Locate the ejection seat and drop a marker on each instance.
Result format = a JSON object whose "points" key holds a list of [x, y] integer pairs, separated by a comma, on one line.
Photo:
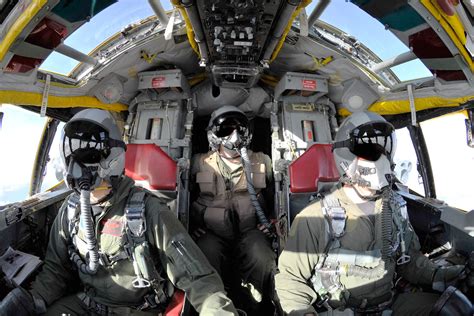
{"points": [[312, 173], [151, 168], [158, 145]]}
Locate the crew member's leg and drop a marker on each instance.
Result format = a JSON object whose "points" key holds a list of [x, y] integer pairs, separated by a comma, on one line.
{"points": [[68, 306], [215, 248], [257, 263], [414, 304]]}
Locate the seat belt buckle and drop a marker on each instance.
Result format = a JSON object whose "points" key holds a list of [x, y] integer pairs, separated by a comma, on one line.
{"points": [[403, 259], [323, 302], [140, 282]]}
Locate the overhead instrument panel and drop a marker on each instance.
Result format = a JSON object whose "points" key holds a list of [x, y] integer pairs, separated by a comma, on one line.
{"points": [[236, 38]]}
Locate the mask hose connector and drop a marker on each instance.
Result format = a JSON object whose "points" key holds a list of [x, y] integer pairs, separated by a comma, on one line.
{"points": [[251, 189]]}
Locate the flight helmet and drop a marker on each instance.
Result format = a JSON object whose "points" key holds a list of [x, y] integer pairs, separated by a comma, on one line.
{"points": [[228, 126], [363, 150], [91, 149]]}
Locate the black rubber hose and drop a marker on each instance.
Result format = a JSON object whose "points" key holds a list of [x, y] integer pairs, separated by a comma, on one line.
{"points": [[379, 270], [90, 238], [262, 218]]}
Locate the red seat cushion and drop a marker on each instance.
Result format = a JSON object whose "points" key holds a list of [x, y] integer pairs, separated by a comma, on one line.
{"points": [[147, 162], [175, 306], [315, 165]]}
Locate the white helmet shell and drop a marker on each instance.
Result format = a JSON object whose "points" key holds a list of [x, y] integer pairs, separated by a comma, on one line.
{"points": [[112, 165], [235, 140], [366, 129]]}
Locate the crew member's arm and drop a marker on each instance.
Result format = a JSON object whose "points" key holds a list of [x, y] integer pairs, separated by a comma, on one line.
{"points": [[185, 264], [57, 277], [421, 270], [196, 210], [296, 264], [269, 191]]}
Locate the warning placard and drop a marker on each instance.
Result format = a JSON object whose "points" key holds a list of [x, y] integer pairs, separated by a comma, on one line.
{"points": [[158, 82], [309, 84]]}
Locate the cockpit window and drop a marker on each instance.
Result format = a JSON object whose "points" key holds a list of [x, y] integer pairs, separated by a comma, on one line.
{"points": [[406, 162], [451, 159], [19, 138], [357, 23], [54, 167], [98, 29]]}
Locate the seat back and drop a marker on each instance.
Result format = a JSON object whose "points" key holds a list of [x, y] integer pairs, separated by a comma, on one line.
{"points": [[312, 169], [150, 167]]}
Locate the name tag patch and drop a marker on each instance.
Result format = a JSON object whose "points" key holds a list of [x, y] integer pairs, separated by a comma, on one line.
{"points": [[112, 227]]}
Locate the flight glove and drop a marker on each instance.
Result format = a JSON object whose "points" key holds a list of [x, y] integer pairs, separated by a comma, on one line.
{"points": [[446, 276]]}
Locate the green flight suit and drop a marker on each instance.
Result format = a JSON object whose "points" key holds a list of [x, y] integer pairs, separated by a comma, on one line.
{"points": [[307, 241], [187, 268], [224, 210]]}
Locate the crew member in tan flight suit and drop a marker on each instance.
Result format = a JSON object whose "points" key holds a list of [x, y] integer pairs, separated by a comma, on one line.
{"points": [[346, 249], [120, 245], [229, 212]]}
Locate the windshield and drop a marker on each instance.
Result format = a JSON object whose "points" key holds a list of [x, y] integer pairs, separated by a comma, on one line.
{"points": [[382, 42], [354, 21], [98, 29]]}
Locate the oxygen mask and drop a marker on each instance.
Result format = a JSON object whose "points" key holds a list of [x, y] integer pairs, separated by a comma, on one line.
{"points": [[373, 175]]}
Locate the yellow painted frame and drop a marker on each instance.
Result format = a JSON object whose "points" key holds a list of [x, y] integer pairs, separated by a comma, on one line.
{"points": [[18, 26], [300, 7], [189, 28], [392, 107], [33, 98], [453, 27]]}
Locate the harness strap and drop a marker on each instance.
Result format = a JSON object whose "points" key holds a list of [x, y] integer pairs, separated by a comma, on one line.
{"points": [[138, 250], [73, 214], [134, 248], [135, 214]]}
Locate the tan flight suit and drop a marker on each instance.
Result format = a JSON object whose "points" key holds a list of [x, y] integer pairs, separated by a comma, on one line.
{"points": [[306, 244], [186, 268], [223, 208]]}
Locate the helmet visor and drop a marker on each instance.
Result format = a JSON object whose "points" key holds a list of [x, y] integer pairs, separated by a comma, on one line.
{"points": [[227, 126], [369, 141], [87, 142]]}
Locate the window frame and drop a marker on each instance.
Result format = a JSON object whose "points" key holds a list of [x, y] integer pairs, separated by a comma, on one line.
{"points": [[42, 155]]}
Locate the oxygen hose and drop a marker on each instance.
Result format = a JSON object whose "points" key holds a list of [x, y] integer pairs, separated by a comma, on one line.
{"points": [[88, 227], [379, 270], [251, 189]]}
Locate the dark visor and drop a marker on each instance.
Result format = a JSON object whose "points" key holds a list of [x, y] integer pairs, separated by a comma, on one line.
{"points": [[369, 141], [89, 142], [226, 127]]}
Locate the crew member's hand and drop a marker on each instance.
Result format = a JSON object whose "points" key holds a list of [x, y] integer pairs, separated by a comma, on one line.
{"points": [[264, 230], [198, 233], [446, 276]]}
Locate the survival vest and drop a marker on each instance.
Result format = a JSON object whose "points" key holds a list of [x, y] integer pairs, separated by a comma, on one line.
{"points": [[225, 209], [339, 267], [135, 248]]}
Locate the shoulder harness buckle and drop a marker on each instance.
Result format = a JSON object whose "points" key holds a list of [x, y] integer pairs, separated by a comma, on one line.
{"points": [[336, 216]]}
